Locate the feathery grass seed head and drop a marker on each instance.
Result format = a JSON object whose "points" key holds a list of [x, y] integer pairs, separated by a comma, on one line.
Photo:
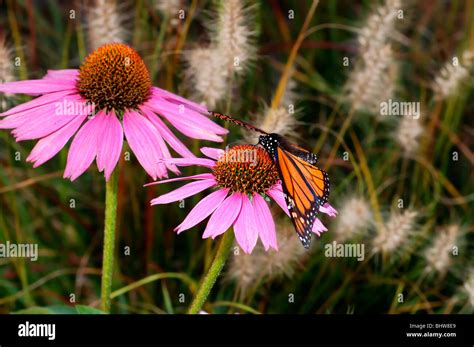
{"points": [[105, 24], [407, 135], [205, 72], [170, 8], [373, 80], [232, 35], [6, 69], [453, 74], [394, 234], [439, 255], [6, 63], [354, 218], [468, 287]]}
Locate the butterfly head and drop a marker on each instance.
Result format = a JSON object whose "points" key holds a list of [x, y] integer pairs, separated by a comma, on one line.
{"points": [[270, 143]]}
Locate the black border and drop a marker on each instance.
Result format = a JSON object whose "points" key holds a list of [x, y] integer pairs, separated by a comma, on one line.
{"points": [[241, 329]]}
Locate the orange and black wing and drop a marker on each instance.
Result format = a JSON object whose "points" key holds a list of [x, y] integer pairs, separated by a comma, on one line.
{"points": [[306, 188], [298, 151]]}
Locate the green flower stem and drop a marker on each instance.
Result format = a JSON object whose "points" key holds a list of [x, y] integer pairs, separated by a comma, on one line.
{"points": [[217, 264], [109, 240]]}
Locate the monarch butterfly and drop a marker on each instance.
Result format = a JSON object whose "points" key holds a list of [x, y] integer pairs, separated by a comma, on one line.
{"points": [[306, 187]]}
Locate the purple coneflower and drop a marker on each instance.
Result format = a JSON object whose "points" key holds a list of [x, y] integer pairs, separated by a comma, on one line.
{"points": [[109, 96], [244, 176]]}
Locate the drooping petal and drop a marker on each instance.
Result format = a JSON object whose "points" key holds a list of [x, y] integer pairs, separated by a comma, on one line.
{"points": [[84, 147], [110, 144], [276, 193], [177, 99], [318, 227], [45, 120], [183, 192], [64, 74], [245, 227], [15, 120], [203, 176], [39, 101], [328, 209], [142, 138], [189, 115], [202, 210], [224, 216], [264, 222], [168, 135], [30, 117], [37, 87], [191, 130], [213, 153], [163, 147], [185, 126], [49, 146]]}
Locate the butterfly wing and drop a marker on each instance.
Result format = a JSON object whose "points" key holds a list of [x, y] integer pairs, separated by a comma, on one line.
{"points": [[318, 179], [302, 153], [306, 188], [298, 151]]}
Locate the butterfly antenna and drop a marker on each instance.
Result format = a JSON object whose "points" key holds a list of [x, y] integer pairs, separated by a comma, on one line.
{"points": [[236, 121]]}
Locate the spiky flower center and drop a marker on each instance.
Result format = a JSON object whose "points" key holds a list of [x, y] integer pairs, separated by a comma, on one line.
{"points": [[247, 169], [114, 77]]}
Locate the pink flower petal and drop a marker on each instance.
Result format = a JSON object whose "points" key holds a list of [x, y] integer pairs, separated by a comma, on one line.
{"points": [[265, 223], [182, 111], [245, 227], [183, 192], [191, 162], [64, 74], [177, 99], [190, 130], [49, 146], [84, 147], [36, 117], [39, 101], [16, 120], [184, 125], [224, 216], [109, 146], [318, 227], [202, 210], [328, 209], [213, 153], [167, 134], [276, 193], [164, 149], [47, 119], [142, 137], [37, 87], [203, 176]]}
